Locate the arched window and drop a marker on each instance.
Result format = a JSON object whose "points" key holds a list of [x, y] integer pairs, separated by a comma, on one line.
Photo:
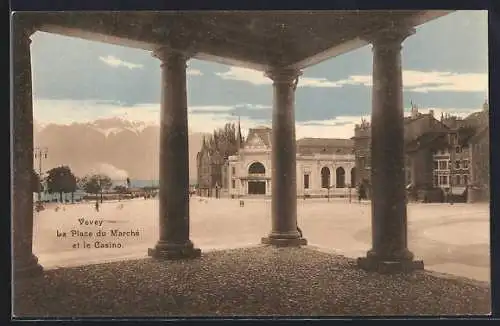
{"points": [[340, 173], [353, 177], [256, 168], [325, 177]]}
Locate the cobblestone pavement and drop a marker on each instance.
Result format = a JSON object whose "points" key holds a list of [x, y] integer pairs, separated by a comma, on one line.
{"points": [[258, 281]]}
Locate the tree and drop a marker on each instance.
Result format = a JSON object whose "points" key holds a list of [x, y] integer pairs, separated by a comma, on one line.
{"points": [[95, 184], [224, 140], [120, 189], [61, 180], [36, 182]]}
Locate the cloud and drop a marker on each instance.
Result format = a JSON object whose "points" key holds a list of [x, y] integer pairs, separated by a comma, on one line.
{"points": [[436, 81], [413, 80], [110, 170], [115, 62], [210, 108], [193, 72], [202, 118], [253, 106], [251, 76], [431, 81]]}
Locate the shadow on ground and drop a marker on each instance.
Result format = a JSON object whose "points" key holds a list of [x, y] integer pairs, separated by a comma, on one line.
{"points": [[244, 282]]}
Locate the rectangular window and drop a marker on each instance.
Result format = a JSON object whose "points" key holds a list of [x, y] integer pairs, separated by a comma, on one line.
{"points": [[233, 171], [436, 165], [458, 179], [465, 164], [443, 165], [466, 179], [233, 183], [457, 164], [458, 149], [306, 181], [443, 180]]}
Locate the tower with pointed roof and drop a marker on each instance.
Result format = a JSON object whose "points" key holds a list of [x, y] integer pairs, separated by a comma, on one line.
{"points": [[239, 137]]}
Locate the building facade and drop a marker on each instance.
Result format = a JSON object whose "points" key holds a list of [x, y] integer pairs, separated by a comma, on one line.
{"points": [[445, 157], [325, 167]]}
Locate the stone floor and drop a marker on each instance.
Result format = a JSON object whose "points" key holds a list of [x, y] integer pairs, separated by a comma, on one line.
{"points": [[449, 238], [257, 281]]}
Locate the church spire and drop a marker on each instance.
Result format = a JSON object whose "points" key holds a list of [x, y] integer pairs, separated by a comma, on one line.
{"points": [[239, 136], [204, 144]]}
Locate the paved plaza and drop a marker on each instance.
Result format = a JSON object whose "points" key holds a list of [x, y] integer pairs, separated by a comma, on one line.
{"points": [[450, 239]]}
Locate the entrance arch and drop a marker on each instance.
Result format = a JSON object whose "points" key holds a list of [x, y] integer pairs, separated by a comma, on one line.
{"points": [[256, 187], [325, 177], [256, 168], [340, 174], [353, 177]]}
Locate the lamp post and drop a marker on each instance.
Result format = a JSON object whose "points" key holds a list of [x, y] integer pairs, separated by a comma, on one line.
{"points": [[40, 153]]}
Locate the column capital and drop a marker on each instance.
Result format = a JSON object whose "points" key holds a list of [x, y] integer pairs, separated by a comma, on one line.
{"points": [[168, 54], [176, 47], [390, 37], [283, 75]]}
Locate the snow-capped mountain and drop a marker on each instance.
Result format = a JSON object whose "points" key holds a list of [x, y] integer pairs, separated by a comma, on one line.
{"points": [[114, 146]]}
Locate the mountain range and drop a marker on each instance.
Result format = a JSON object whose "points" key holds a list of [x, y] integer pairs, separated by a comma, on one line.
{"points": [[116, 147]]}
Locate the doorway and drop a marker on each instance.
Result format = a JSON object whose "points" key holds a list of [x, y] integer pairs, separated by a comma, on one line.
{"points": [[256, 187]]}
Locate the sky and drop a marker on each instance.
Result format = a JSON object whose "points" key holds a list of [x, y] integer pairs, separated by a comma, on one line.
{"points": [[445, 68]]}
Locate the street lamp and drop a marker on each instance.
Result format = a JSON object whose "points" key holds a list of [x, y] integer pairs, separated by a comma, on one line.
{"points": [[40, 153]]}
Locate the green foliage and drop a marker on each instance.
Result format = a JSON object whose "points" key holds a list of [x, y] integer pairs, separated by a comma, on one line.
{"points": [[61, 180], [36, 182], [120, 189], [224, 140], [95, 184]]}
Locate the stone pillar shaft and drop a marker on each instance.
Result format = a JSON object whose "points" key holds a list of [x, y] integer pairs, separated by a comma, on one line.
{"points": [[389, 219], [283, 160], [25, 263], [388, 177], [174, 239]]}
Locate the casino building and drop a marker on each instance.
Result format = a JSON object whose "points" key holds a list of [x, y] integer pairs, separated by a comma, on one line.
{"points": [[325, 166]]}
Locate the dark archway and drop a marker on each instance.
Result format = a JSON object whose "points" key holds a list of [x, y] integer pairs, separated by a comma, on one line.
{"points": [[353, 177], [256, 168], [340, 173], [325, 177], [256, 187]]}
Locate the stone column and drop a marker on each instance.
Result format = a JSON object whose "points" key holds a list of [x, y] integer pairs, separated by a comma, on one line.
{"points": [[174, 242], [389, 251], [283, 162], [25, 263]]}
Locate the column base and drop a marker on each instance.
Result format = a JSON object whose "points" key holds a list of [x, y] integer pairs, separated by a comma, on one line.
{"points": [[27, 268], [375, 264], [173, 251], [284, 240]]}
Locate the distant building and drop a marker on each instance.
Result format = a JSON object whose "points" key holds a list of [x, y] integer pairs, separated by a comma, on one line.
{"points": [[450, 154], [324, 166]]}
